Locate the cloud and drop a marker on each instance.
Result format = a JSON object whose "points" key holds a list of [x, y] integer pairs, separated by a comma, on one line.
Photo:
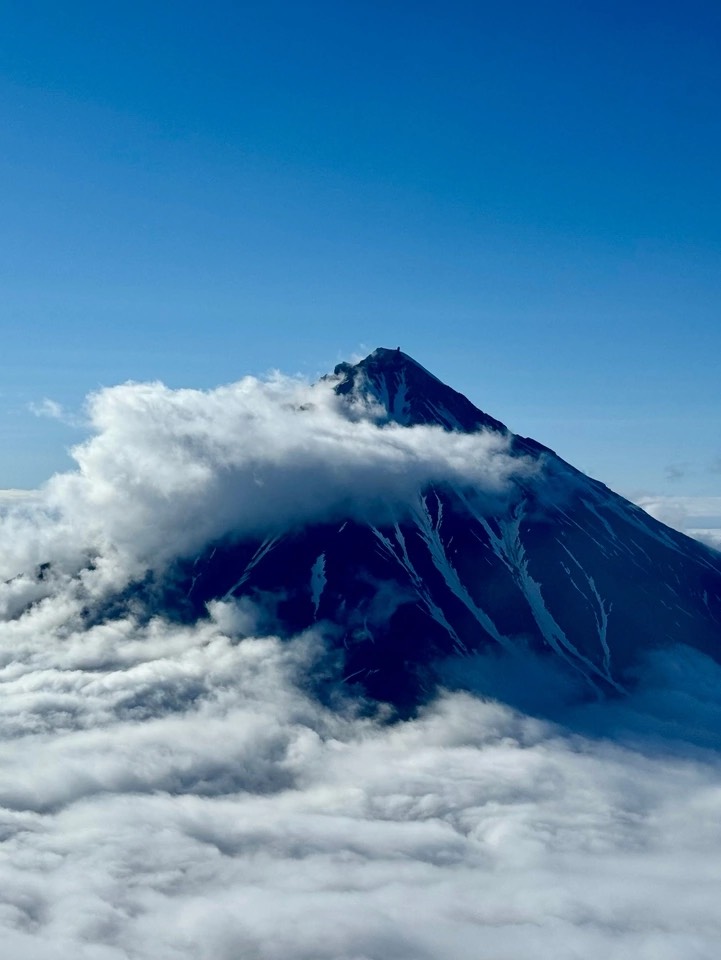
{"points": [[166, 471], [11, 497], [55, 411], [711, 536], [698, 517], [174, 792], [676, 471], [48, 408]]}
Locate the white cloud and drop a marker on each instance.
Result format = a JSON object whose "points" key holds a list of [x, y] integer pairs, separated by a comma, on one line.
{"points": [[169, 792], [55, 411], [711, 536], [174, 792], [11, 497], [698, 517], [48, 408], [165, 471]]}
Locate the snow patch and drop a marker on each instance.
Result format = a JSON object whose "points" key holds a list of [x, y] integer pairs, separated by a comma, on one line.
{"points": [[318, 581]]}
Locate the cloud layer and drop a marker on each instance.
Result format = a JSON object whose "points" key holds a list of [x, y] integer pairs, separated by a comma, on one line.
{"points": [[177, 793], [174, 793], [166, 471], [698, 517]]}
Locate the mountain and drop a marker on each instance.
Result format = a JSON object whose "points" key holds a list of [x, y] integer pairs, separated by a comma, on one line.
{"points": [[564, 567]]}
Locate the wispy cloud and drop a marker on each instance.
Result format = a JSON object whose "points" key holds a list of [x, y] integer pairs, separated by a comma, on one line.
{"points": [[55, 411], [698, 517], [47, 408], [13, 496], [676, 471]]}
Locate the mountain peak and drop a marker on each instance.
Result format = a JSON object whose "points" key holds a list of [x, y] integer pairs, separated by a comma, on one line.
{"points": [[387, 360], [409, 393], [559, 566]]}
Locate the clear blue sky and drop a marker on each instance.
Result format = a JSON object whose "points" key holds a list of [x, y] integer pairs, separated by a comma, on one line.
{"points": [[526, 196]]}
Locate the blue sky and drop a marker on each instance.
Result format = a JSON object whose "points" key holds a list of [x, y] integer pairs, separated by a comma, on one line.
{"points": [[526, 197]]}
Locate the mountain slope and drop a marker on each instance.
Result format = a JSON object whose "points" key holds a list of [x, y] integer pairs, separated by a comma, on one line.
{"points": [[562, 566]]}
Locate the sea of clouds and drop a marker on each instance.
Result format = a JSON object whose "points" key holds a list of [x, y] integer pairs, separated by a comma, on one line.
{"points": [[175, 792]]}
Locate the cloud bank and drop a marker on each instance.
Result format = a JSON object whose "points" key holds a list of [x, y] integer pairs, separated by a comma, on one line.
{"points": [[166, 471], [177, 792], [697, 517], [172, 792]]}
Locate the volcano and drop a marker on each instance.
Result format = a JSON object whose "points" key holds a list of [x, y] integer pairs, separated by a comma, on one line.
{"points": [[563, 568]]}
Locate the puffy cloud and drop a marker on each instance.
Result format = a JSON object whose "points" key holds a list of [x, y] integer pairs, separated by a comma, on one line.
{"points": [[165, 471], [171, 792], [176, 792]]}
